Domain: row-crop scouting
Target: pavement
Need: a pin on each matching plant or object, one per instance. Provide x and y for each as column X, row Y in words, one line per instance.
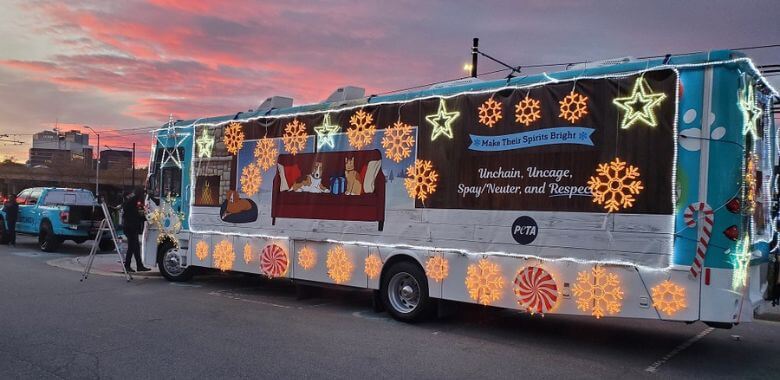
column 241, row 326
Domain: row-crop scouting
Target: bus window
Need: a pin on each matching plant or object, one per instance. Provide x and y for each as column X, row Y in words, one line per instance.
column 171, row 181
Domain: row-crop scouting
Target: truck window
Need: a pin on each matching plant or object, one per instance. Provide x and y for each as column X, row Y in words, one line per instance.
column 34, row 195
column 171, row 181
column 22, row 197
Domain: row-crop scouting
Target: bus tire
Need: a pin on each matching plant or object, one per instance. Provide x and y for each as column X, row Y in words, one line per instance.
column 168, row 262
column 404, row 292
column 47, row 240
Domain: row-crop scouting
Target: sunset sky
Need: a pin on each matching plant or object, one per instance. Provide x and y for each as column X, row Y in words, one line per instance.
column 129, row 64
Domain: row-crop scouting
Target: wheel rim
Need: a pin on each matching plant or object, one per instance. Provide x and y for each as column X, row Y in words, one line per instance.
column 172, row 262
column 404, row 292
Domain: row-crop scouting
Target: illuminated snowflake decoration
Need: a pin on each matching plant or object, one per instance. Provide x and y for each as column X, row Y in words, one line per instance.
column 598, row 292
column 437, row 268
column 202, row 250
column 224, row 256
column 339, row 265
column 398, row 141
column 266, row 153
column 373, row 266
column 484, row 282
column 233, row 138
column 165, row 219
column 362, row 130
column 669, row 297
column 307, row 258
column 421, row 179
column 490, row 112
column 294, row 137
column 248, row 254
column 573, row 107
column 615, row 185
column 528, row 110
column 251, row 179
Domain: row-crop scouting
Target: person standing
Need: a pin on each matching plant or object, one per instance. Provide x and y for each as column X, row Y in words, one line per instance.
column 132, row 220
column 11, row 209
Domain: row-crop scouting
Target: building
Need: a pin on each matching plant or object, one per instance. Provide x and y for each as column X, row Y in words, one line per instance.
column 57, row 148
column 116, row 159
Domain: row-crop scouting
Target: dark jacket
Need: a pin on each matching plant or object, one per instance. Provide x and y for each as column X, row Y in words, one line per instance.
column 131, row 217
column 11, row 210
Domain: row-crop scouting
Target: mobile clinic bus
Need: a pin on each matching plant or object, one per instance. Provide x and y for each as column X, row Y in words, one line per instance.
column 640, row 190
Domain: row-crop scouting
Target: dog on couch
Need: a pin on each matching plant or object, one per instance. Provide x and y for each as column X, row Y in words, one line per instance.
column 312, row 182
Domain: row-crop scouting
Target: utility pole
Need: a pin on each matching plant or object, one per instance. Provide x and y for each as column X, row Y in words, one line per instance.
column 474, row 57
column 133, row 167
column 97, row 165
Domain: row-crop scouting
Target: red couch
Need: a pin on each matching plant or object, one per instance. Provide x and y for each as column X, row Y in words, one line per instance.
column 368, row 207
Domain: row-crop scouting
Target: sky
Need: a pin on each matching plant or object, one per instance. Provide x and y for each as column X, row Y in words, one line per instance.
column 124, row 65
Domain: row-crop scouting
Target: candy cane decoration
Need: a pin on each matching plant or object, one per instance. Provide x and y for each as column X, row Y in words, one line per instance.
column 707, row 217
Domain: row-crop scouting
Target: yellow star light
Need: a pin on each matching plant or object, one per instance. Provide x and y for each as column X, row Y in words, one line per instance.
column 442, row 121
column 325, row 133
column 638, row 107
column 750, row 111
column 205, row 143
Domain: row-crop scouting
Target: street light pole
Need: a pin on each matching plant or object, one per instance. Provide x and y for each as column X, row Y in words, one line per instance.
column 97, row 164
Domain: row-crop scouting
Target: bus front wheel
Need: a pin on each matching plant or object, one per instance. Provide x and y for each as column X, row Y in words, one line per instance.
column 169, row 263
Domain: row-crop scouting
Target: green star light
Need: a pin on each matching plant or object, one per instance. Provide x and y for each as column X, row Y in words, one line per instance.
column 639, row 106
column 750, row 111
column 325, row 133
column 205, row 143
column 442, row 121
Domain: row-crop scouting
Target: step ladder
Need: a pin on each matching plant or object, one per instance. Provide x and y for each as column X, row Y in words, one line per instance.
column 105, row 225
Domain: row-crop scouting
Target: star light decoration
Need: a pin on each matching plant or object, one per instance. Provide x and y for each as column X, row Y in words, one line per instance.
column 421, row 179
column 615, row 185
column 437, row 268
column 251, row 179
column 398, row 141
column 294, row 137
column 265, row 153
column 171, row 153
column 362, row 130
column 442, row 121
column 528, row 111
column 598, row 292
column 202, row 250
column 233, row 138
column 339, row 265
column 484, row 281
column 751, row 113
column 669, row 297
column 741, row 262
column 325, row 132
column 573, row 107
column 373, row 266
column 224, row 255
column 489, row 113
column 638, row 107
column 205, row 143
column 307, row 258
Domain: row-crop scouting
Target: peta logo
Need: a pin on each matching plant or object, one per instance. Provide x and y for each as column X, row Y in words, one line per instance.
column 524, row 230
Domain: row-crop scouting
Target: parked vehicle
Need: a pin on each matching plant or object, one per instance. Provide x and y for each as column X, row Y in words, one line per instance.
column 641, row 189
column 55, row 215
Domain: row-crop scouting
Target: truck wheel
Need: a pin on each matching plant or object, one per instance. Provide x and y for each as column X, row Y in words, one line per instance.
column 106, row 245
column 79, row 240
column 4, row 238
column 404, row 292
column 168, row 261
column 47, row 240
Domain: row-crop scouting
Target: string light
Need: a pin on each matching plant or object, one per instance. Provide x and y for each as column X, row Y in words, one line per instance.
column 339, row 265
column 224, row 256
column 373, row 266
column 294, row 138
column 437, row 267
column 325, row 132
column 265, row 153
column 528, row 110
column 750, row 183
column 484, row 281
column 251, row 179
column 442, row 121
column 573, row 107
column 362, row 130
column 639, row 106
column 398, row 141
column 421, row 179
column 233, row 138
column 489, row 113
column 307, row 258
column 669, row 297
column 615, row 185
column 598, row 292
column 171, row 154
column 205, row 143
column 202, row 250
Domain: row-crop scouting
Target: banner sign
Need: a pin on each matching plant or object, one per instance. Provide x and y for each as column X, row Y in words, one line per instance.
column 550, row 136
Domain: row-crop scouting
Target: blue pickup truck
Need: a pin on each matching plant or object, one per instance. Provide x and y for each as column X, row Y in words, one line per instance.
column 55, row 215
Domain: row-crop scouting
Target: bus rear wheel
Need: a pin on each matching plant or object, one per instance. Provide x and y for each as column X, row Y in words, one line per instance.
column 404, row 292
column 169, row 263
